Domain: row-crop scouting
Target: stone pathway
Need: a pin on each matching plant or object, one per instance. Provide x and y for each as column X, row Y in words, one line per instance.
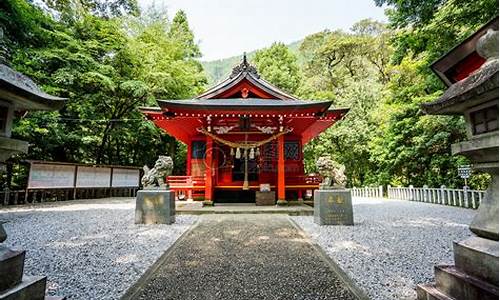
column 242, row 257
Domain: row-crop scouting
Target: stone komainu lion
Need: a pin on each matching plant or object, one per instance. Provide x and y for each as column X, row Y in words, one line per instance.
column 332, row 173
column 156, row 176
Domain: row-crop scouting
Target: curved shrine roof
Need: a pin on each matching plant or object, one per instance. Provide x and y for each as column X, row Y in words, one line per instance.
column 244, row 93
column 244, row 104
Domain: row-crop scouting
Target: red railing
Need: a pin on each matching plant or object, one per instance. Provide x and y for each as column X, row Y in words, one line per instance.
column 192, row 187
column 187, row 187
column 303, row 180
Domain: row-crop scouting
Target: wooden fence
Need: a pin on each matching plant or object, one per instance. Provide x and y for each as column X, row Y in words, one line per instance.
column 453, row 197
column 369, row 192
column 50, row 195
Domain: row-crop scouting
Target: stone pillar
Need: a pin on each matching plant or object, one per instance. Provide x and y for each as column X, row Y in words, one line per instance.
column 155, row 207
column 281, row 171
column 208, row 172
column 443, row 194
column 485, row 223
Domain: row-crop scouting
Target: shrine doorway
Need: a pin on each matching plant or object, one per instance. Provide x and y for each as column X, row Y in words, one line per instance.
column 239, row 170
column 234, row 196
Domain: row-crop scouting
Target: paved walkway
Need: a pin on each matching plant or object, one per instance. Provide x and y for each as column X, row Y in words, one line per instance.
column 242, row 257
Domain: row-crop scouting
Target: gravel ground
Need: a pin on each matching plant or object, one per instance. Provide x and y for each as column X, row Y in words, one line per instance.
column 244, row 257
column 393, row 245
column 88, row 249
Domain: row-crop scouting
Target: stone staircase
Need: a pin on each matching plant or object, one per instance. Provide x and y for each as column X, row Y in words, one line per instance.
column 474, row 275
column 15, row 286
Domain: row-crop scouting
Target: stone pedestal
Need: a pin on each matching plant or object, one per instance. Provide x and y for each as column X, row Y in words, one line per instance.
column 155, row 207
column 265, row 198
column 473, row 277
column 333, row 207
column 13, row 284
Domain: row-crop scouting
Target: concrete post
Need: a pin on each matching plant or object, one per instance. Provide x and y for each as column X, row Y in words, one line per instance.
column 443, row 194
column 466, row 196
column 426, row 193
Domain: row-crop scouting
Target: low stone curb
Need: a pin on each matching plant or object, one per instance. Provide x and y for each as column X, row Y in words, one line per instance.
column 137, row 287
column 348, row 281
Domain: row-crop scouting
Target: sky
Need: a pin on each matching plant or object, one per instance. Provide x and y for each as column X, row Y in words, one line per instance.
column 225, row 28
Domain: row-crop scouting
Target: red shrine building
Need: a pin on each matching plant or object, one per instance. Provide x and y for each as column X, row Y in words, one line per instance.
column 244, row 135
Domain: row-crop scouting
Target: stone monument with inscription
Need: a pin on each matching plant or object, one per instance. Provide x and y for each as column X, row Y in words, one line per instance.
column 332, row 202
column 155, row 204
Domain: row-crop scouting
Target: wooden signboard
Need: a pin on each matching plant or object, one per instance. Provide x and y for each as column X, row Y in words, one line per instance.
column 93, row 177
column 125, row 177
column 49, row 176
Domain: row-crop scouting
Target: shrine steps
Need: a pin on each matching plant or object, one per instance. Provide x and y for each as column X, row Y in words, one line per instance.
column 196, row 208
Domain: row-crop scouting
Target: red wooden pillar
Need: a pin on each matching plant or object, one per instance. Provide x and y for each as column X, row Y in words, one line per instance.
column 281, row 171
column 208, row 172
column 188, row 159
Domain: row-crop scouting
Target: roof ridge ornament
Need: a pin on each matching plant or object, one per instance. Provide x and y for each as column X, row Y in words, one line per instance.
column 244, row 66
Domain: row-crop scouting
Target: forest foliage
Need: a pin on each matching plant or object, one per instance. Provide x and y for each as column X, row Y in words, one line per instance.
column 382, row 73
column 109, row 58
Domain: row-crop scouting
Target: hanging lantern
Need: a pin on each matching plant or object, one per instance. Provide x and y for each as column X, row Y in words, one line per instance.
column 252, row 153
column 257, row 151
column 231, row 152
column 238, row 153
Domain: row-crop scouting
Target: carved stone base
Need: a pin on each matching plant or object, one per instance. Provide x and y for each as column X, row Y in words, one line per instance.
column 333, row 207
column 155, row 207
column 208, row 203
column 30, row 288
column 474, row 275
column 281, row 202
column 15, row 286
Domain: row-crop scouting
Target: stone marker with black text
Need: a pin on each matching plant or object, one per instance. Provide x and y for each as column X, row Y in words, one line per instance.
column 332, row 202
column 155, row 204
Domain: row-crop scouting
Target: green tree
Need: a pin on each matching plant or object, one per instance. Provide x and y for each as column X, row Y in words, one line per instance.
column 279, row 66
column 107, row 70
column 413, row 148
column 73, row 10
column 180, row 32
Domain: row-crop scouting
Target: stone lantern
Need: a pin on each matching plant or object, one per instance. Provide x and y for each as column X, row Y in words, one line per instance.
column 18, row 94
column 471, row 72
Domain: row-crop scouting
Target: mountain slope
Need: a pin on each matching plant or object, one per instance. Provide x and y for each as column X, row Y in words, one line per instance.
column 218, row 70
